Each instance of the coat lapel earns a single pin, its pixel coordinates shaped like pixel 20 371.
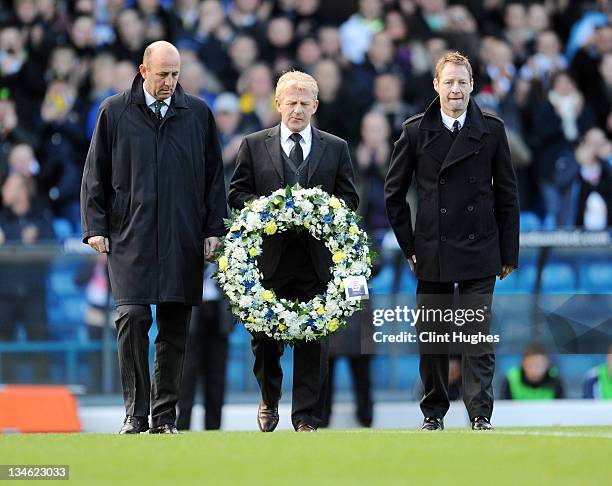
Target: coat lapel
pixel 469 141
pixel 319 144
pixel 432 123
pixel 274 149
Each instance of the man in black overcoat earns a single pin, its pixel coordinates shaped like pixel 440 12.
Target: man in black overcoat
pixel 295 266
pixel 153 198
pixel 466 230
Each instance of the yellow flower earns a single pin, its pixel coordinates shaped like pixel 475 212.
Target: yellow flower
pixel 270 228
pixel 320 311
pixel 282 327
pixel 341 285
pixel 234 227
pixel 334 202
pixel 253 252
pixel 223 263
pixel 277 201
pixel 250 319
pixel 306 225
pixel 353 230
pixel 333 324
pixel 338 257
pixel 268 295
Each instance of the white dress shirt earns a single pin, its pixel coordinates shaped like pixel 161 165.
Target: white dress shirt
pixel 449 121
pixel 150 101
pixel 287 144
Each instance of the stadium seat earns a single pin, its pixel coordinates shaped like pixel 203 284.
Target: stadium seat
pixel 596 277
pixel 558 277
pixel 530 221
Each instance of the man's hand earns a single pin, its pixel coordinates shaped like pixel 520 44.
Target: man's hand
pixel 99 243
pixel 210 245
pixel 412 263
pixel 506 270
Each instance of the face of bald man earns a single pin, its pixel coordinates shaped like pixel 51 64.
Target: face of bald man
pixel 161 72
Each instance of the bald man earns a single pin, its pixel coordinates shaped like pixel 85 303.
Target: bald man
pixel 153 198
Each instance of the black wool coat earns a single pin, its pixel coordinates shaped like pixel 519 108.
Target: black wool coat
pixel 156 191
pixel 467 221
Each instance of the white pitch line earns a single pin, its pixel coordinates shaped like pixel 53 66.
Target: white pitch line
pixel 536 433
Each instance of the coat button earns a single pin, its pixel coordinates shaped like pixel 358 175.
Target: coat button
pixel 477 152
pixel 470 208
pixel 442 181
pixel 471 236
pixel 443 210
pixel 442 238
pixel 472 180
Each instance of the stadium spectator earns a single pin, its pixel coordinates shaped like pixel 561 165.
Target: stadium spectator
pixel 21 75
pixel 130 41
pixel 256 90
pixel 280 49
pixel 23 221
pixel 232 128
pixel 329 40
pixel 335 112
pixel 584 181
pixel 557 125
pixel 598 382
pixel 388 102
pixel 534 379
pixel 243 53
pixel 372 157
pixel 62 150
pixel 357 32
pixel 12 133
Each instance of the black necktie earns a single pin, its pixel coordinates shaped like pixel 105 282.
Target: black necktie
pixel 455 129
pixel 296 155
pixel 158 113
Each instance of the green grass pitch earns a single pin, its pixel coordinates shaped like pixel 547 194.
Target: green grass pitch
pixel 525 456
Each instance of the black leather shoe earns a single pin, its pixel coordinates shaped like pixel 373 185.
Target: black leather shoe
pixel 164 429
pixel 431 423
pixel 305 428
pixel 481 423
pixel 267 417
pixel 134 424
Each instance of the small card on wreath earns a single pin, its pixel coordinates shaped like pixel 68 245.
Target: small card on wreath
pixel 356 288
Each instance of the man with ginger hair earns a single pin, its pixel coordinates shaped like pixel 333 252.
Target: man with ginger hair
pixel 466 230
pixel 294 266
pixel 153 198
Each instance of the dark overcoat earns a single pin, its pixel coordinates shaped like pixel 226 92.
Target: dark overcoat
pixel 467 221
pixel 156 191
pixel 259 172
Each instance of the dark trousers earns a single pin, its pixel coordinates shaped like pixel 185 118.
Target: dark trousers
pixel 139 395
pixel 205 358
pixel 477 368
pixel 294 278
pixel 360 371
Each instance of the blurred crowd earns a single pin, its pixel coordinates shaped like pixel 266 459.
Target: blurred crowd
pixel 545 67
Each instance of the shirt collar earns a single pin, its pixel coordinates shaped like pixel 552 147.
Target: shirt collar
pixel 286 133
pixel 449 120
pixel 149 99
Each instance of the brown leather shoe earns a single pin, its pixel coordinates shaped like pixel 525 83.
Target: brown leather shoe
pixel 305 428
pixel 267 417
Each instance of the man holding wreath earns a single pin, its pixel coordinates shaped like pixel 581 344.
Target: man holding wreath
pixel 295 266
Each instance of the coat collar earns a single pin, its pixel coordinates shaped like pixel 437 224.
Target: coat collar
pixel 468 142
pixel 319 144
pixel 137 94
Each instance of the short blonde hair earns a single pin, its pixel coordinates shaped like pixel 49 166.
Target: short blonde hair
pixel 455 58
pixel 296 79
